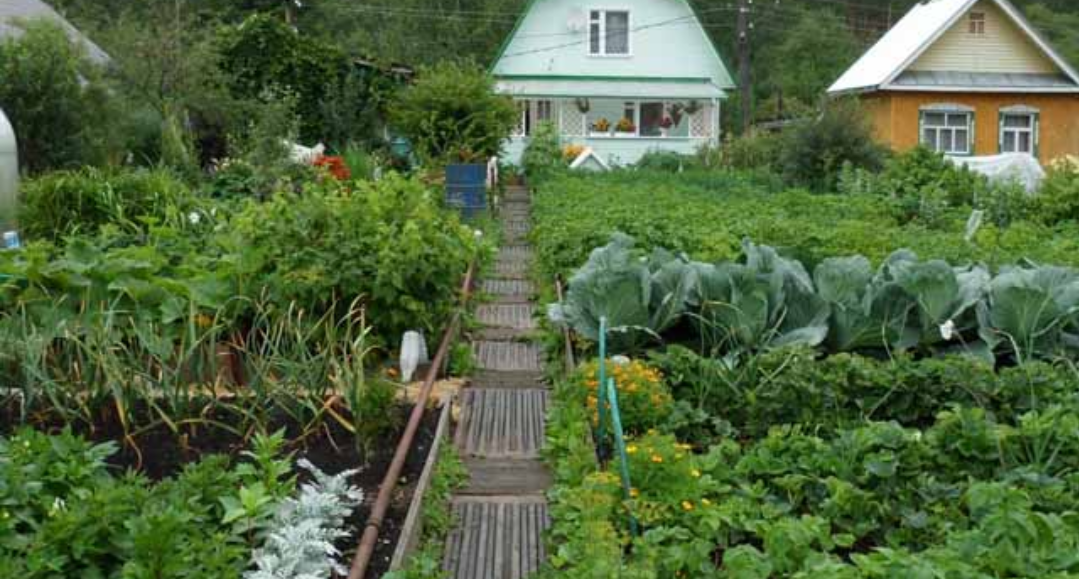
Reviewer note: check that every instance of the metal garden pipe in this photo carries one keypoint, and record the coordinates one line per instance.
(366, 547)
(570, 363)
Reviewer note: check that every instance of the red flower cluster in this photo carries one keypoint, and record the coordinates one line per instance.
(335, 165)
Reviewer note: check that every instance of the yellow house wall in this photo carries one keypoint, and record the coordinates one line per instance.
(895, 117)
(1004, 48)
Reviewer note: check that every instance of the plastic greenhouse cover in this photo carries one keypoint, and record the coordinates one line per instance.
(1018, 167)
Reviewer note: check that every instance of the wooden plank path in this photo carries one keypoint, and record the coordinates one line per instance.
(501, 514)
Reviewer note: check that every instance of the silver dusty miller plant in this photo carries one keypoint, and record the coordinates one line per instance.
(300, 544)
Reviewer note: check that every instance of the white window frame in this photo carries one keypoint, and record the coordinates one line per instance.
(1034, 130)
(589, 119)
(531, 111)
(948, 111)
(603, 11)
(976, 23)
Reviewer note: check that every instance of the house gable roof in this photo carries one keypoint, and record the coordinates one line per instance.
(885, 65)
(14, 12)
(541, 45)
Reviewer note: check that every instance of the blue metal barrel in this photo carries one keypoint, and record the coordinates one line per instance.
(466, 188)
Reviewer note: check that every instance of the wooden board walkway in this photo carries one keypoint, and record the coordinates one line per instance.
(501, 514)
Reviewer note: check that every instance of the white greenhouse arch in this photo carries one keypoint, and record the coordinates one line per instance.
(9, 172)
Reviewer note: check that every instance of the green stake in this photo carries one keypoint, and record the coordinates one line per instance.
(601, 428)
(620, 442)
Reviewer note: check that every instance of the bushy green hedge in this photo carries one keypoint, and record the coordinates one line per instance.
(708, 213)
(388, 243)
(64, 203)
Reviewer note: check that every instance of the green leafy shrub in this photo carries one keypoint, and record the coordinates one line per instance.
(387, 243)
(1058, 199)
(451, 114)
(815, 152)
(264, 56)
(54, 99)
(923, 183)
(543, 156)
(665, 162)
(757, 150)
(63, 203)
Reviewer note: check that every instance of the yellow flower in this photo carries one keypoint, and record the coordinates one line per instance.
(631, 449)
(682, 446)
(706, 502)
(687, 506)
(657, 458)
(633, 492)
(696, 473)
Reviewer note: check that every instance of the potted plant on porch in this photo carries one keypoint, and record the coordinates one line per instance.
(601, 127)
(665, 126)
(625, 127)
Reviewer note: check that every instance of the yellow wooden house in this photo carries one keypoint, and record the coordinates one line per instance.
(966, 78)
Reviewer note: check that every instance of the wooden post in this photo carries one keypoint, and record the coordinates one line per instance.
(745, 73)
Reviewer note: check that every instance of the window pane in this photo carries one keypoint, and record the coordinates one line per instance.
(934, 119)
(962, 144)
(651, 119)
(1009, 142)
(946, 143)
(1025, 143)
(618, 33)
(543, 111)
(594, 38)
(1018, 121)
(929, 138)
(957, 120)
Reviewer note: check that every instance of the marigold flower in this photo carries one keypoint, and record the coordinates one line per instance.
(631, 449)
(696, 473)
(687, 505)
(657, 458)
(633, 492)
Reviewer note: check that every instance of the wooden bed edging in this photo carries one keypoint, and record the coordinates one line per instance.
(412, 531)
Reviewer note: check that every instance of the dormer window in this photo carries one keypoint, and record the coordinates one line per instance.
(977, 23)
(608, 33)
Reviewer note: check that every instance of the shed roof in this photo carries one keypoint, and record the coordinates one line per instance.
(14, 11)
(883, 65)
(613, 87)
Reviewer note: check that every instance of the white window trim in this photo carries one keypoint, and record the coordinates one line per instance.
(1034, 130)
(603, 10)
(947, 110)
(976, 26)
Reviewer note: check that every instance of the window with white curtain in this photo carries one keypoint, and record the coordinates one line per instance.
(608, 32)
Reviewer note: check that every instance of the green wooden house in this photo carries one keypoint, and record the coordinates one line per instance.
(623, 77)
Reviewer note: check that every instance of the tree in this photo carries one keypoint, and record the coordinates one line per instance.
(452, 114)
(264, 56)
(54, 100)
(811, 56)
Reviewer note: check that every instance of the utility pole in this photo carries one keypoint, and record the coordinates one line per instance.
(745, 73)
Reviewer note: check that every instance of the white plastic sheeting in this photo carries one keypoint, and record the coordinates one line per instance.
(9, 171)
(1017, 167)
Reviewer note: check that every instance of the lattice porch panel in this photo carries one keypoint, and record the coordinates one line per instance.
(700, 123)
(572, 120)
